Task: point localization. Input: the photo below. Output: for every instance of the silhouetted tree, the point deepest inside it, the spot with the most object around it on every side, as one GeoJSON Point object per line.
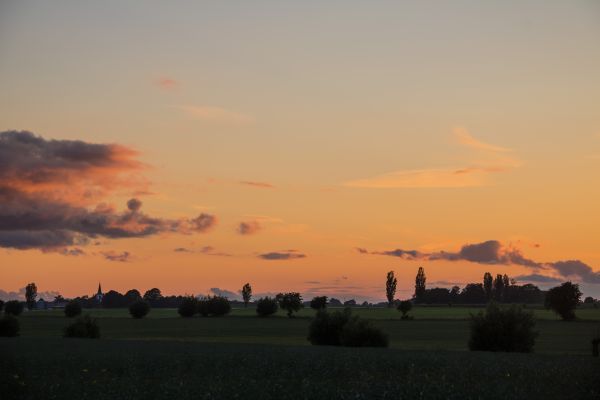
{"type": "Point", "coordinates": [1, 305]}
{"type": "Point", "coordinates": [404, 307]}
{"type": "Point", "coordinates": [13, 307]}
{"type": "Point", "coordinates": [502, 329]}
{"type": "Point", "coordinates": [266, 306]}
{"type": "Point", "coordinates": [139, 309]}
{"type": "Point", "coordinates": [246, 294]}
{"type": "Point", "coordinates": [333, 302]}
{"type": "Point", "coordinates": [390, 287]}
{"type": "Point", "coordinates": [505, 282]}
{"type": "Point", "coordinates": [291, 302]}
{"type": "Point", "coordinates": [153, 296]}
{"type": "Point", "coordinates": [350, 303]}
{"type": "Point", "coordinates": [188, 307]}
{"type": "Point", "coordinates": [218, 306]}
{"type": "Point", "coordinates": [563, 300]}
{"type": "Point", "coordinates": [498, 287]}
{"type": "Point", "coordinates": [30, 295]}
{"type": "Point", "coordinates": [587, 300]}
{"type": "Point", "coordinates": [454, 294]}
{"type": "Point", "coordinates": [420, 284]}
{"type": "Point", "coordinates": [318, 303]}
{"type": "Point", "coordinates": [488, 285]}
{"type": "Point", "coordinates": [72, 309]}
{"type": "Point", "coordinates": [132, 296]}
{"type": "Point", "coordinates": [340, 328]}
{"type": "Point", "coordinates": [114, 299]}
{"type": "Point", "coordinates": [473, 293]}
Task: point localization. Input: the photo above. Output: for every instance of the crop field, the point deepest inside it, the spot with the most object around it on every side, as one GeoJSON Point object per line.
{"type": "Point", "coordinates": [243, 356]}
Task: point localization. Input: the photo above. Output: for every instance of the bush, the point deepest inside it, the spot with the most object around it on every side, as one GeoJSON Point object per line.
{"type": "Point", "coordinates": [340, 328]}
{"type": "Point", "coordinates": [139, 309]}
{"type": "Point", "coordinates": [404, 307]}
{"type": "Point", "coordinates": [509, 329]}
{"type": "Point", "coordinates": [361, 333]}
{"type": "Point", "coordinates": [1, 305]}
{"type": "Point", "coordinates": [318, 303]}
{"type": "Point", "coordinates": [9, 326]}
{"type": "Point", "coordinates": [188, 307]}
{"type": "Point", "coordinates": [266, 306]}
{"type": "Point", "coordinates": [73, 309]}
{"type": "Point", "coordinates": [83, 327]}
{"type": "Point", "coordinates": [563, 300]}
{"type": "Point", "coordinates": [13, 307]}
{"type": "Point", "coordinates": [218, 306]}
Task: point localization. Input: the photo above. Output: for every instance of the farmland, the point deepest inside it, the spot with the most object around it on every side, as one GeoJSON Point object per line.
{"type": "Point", "coordinates": [241, 355]}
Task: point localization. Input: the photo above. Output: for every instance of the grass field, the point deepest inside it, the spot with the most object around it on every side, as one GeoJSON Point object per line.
{"type": "Point", "coordinates": [240, 355]}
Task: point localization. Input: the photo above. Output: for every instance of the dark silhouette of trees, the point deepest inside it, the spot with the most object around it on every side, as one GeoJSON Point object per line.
{"type": "Point", "coordinates": [30, 295]}
{"type": "Point", "coordinates": [454, 294]}
{"type": "Point", "coordinates": [246, 294]}
{"type": "Point", "coordinates": [218, 306]}
{"type": "Point", "coordinates": [83, 327]}
{"type": "Point", "coordinates": [340, 328]}
{"type": "Point", "coordinates": [488, 285]}
{"type": "Point", "coordinates": [498, 287]}
{"type": "Point", "coordinates": [404, 307]}
{"type": "Point", "coordinates": [473, 293]}
{"type": "Point", "coordinates": [318, 303]}
{"type": "Point", "coordinates": [350, 303]}
{"type": "Point", "coordinates": [420, 285]}
{"type": "Point", "coordinates": [114, 299]}
{"type": "Point", "coordinates": [188, 307]}
{"type": "Point", "coordinates": [266, 306]}
{"type": "Point", "coordinates": [563, 300]}
{"type": "Point", "coordinates": [291, 302]}
{"type": "Point", "coordinates": [390, 287]}
{"type": "Point", "coordinates": [72, 309]}
{"type": "Point", "coordinates": [1, 305]}
{"type": "Point", "coordinates": [13, 307]}
{"type": "Point", "coordinates": [139, 309]}
{"type": "Point", "coordinates": [333, 302]}
{"type": "Point", "coordinates": [502, 329]}
{"type": "Point", "coordinates": [153, 296]}
{"type": "Point", "coordinates": [587, 300]}
{"type": "Point", "coordinates": [132, 296]}
{"type": "Point", "coordinates": [9, 326]}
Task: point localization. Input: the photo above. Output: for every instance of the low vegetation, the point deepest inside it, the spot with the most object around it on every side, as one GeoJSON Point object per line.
{"type": "Point", "coordinates": [13, 307]}
{"type": "Point", "coordinates": [266, 306]}
{"type": "Point", "coordinates": [503, 329]}
{"type": "Point", "coordinates": [139, 309]}
{"type": "Point", "coordinates": [341, 328]}
{"type": "Point", "coordinates": [9, 326]}
{"type": "Point", "coordinates": [188, 307]}
{"type": "Point", "coordinates": [404, 307]}
{"type": "Point", "coordinates": [83, 327]}
{"type": "Point", "coordinates": [290, 302]}
{"type": "Point", "coordinates": [563, 300]}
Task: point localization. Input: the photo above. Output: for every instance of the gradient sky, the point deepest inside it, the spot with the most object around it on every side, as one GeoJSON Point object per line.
{"type": "Point", "coordinates": [324, 127]}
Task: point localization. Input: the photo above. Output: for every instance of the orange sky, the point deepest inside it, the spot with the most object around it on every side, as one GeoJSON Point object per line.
{"type": "Point", "coordinates": [268, 143]}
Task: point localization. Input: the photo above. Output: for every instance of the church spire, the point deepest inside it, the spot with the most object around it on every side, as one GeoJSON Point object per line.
{"type": "Point", "coordinates": [99, 288]}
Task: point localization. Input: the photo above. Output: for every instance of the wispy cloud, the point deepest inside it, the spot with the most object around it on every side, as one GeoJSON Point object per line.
{"type": "Point", "coordinates": [262, 185]}
{"type": "Point", "coordinates": [217, 115]}
{"type": "Point", "coordinates": [476, 174]}
{"type": "Point", "coordinates": [282, 255]}
{"type": "Point", "coordinates": [167, 83]}
{"type": "Point", "coordinates": [248, 227]}
{"type": "Point", "coordinates": [124, 256]}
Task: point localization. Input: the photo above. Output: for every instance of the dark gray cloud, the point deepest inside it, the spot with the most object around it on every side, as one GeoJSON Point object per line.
{"type": "Point", "coordinates": [282, 255]}
{"type": "Point", "coordinates": [123, 256]}
{"type": "Point", "coordinates": [248, 227]}
{"type": "Point", "coordinates": [493, 252]}
{"type": "Point", "coordinates": [48, 189]}
{"type": "Point", "coordinates": [537, 278]}
{"type": "Point", "coordinates": [206, 250]}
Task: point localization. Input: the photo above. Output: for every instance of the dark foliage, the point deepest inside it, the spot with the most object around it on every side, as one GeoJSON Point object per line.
{"type": "Point", "coordinates": [390, 287]}
{"type": "Point", "coordinates": [153, 297]}
{"type": "Point", "coordinates": [1, 305]}
{"type": "Point", "coordinates": [218, 306]}
{"type": "Point", "coordinates": [318, 303]}
{"type": "Point", "coordinates": [132, 296]}
{"type": "Point", "coordinates": [83, 327]}
{"type": "Point", "coordinates": [266, 306]}
{"type": "Point", "coordinates": [563, 300]}
{"type": "Point", "coordinates": [72, 309]}
{"type": "Point", "coordinates": [404, 307]}
{"type": "Point", "coordinates": [340, 328]}
{"type": "Point", "coordinates": [502, 329]}
{"type": "Point", "coordinates": [188, 307]}
{"type": "Point", "coordinates": [246, 294]}
{"type": "Point", "coordinates": [114, 299]}
{"type": "Point", "coordinates": [9, 326]}
{"type": "Point", "coordinates": [30, 295]}
{"type": "Point", "coordinates": [291, 302]}
{"type": "Point", "coordinates": [139, 309]}
{"type": "Point", "coordinates": [420, 281]}
{"type": "Point", "coordinates": [13, 307]}
{"type": "Point", "coordinates": [333, 302]}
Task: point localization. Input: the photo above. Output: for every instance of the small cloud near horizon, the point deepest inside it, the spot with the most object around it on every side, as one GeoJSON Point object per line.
{"type": "Point", "coordinates": [248, 227]}
{"type": "Point", "coordinates": [282, 255]}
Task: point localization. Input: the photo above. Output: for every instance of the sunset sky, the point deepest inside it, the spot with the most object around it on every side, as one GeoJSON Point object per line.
{"type": "Point", "coordinates": [298, 146]}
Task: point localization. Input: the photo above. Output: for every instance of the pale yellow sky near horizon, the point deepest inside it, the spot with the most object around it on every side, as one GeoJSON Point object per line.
{"type": "Point", "coordinates": [380, 125]}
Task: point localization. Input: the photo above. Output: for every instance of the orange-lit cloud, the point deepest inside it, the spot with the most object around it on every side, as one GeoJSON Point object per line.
{"type": "Point", "coordinates": [263, 185]}
{"type": "Point", "coordinates": [282, 255]}
{"type": "Point", "coordinates": [46, 187]}
{"type": "Point", "coordinates": [476, 174]}
{"type": "Point", "coordinates": [248, 227]}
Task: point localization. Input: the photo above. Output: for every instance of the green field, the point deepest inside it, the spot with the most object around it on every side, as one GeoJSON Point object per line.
{"type": "Point", "coordinates": [241, 355]}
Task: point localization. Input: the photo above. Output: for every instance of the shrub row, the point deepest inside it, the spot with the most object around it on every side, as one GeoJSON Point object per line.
{"type": "Point", "coordinates": [215, 306]}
